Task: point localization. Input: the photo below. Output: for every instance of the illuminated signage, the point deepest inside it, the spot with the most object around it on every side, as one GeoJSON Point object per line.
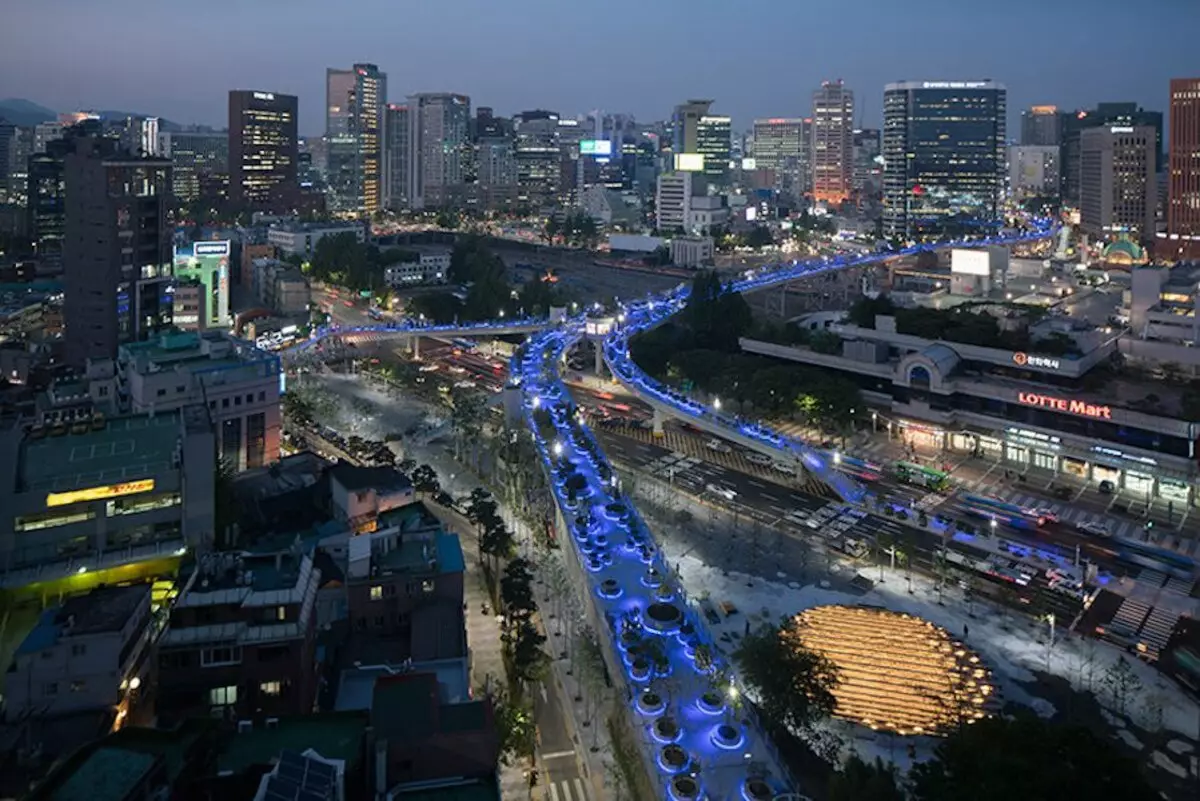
{"type": "Point", "coordinates": [595, 147]}
{"type": "Point", "coordinates": [749, 164]}
{"type": "Point", "coordinates": [1063, 405]}
{"type": "Point", "coordinates": [100, 493]}
{"type": "Point", "coordinates": [1121, 129]}
{"type": "Point", "coordinates": [954, 84]}
{"type": "Point", "coordinates": [1026, 360]}
{"type": "Point", "coordinates": [211, 248]}
{"type": "Point", "coordinates": [689, 162]}
{"type": "Point", "coordinates": [263, 96]}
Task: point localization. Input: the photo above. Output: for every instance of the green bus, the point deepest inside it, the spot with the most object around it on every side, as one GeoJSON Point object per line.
{"type": "Point", "coordinates": [926, 477]}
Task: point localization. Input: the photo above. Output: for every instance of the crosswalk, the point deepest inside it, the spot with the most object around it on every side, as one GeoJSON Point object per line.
{"type": "Point", "coordinates": [1067, 514]}
{"type": "Point", "coordinates": [566, 790]}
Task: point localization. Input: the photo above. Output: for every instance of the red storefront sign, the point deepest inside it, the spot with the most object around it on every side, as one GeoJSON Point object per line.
{"type": "Point", "coordinates": [1064, 405]}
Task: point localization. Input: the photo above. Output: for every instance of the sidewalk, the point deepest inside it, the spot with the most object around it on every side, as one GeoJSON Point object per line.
{"type": "Point", "coordinates": [483, 640]}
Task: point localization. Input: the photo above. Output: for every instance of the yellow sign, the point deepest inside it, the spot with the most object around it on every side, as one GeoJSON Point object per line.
{"type": "Point", "coordinates": [100, 493]}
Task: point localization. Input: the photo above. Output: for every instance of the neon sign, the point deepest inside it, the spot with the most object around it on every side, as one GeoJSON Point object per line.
{"type": "Point", "coordinates": [99, 493]}
{"type": "Point", "coordinates": [1025, 360]}
{"type": "Point", "coordinates": [1063, 405]}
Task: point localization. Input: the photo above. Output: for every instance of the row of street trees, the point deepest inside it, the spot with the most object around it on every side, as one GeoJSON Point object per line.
{"type": "Point", "coordinates": [995, 759]}
{"type": "Point", "coordinates": [576, 229]}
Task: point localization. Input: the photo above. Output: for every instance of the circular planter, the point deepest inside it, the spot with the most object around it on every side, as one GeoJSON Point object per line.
{"type": "Point", "coordinates": [711, 702]}
{"type": "Point", "coordinates": [629, 638]}
{"type": "Point", "coordinates": [606, 558]}
{"type": "Point", "coordinates": [640, 670]}
{"type": "Point", "coordinates": [609, 588]}
{"type": "Point", "coordinates": [651, 703]}
{"type": "Point", "coordinates": [646, 553]}
{"type": "Point", "coordinates": [672, 758]}
{"type": "Point", "coordinates": [594, 564]}
{"type": "Point", "coordinates": [601, 540]}
{"type": "Point", "coordinates": [663, 617]}
{"type": "Point", "coordinates": [686, 630]}
{"type": "Point", "coordinates": [685, 788]}
{"type": "Point", "coordinates": [728, 737]}
{"type": "Point", "coordinates": [666, 730]}
{"type": "Point", "coordinates": [616, 511]}
{"type": "Point", "coordinates": [664, 594]}
{"type": "Point", "coordinates": [652, 578]}
{"type": "Point", "coordinates": [758, 790]}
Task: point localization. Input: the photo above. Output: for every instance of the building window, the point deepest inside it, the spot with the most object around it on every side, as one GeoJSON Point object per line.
{"type": "Point", "coordinates": [262, 396]}
{"type": "Point", "coordinates": [78, 649]}
{"type": "Point", "coordinates": [162, 393]}
{"type": "Point", "coordinates": [50, 689]}
{"type": "Point", "coordinates": [223, 696]}
{"type": "Point", "coordinates": [427, 585]}
{"type": "Point", "coordinates": [377, 593]}
{"type": "Point", "coordinates": [271, 687]}
{"type": "Point", "coordinates": [249, 398]}
{"type": "Point", "coordinates": [281, 613]}
{"type": "Point", "coordinates": [224, 403]}
{"type": "Point", "coordinates": [214, 657]}
{"type": "Point", "coordinates": [78, 685]}
{"type": "Point", "coordinates": [237, 400]}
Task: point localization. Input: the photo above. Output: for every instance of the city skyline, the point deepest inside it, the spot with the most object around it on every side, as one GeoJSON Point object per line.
{"type": "Point", "coordinates": [1054, 62]}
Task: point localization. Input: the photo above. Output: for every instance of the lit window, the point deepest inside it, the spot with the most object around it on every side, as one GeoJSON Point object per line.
{"type": "Point", "coordinates": [281, 613]}
{"type": "Point", "coordinates": [377, 593]}
{"type": "Point", "coordinates": [223, 696]}
{"type": "Point", "coordinates": [271, 688]}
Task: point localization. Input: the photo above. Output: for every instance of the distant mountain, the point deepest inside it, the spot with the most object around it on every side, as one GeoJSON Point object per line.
{"type": "Point", "coordinates": [24, 112]}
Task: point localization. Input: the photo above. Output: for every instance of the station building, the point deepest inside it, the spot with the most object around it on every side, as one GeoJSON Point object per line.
{"type": "Point", "coordinates": [1075, 413]}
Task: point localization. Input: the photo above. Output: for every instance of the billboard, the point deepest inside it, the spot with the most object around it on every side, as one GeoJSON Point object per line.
{"type": "Point", "coordinates": [749, 164]}
{"type": "Point", "coordinates": [595, 147]}
{"type": "Point", "coordinates": [689, 162]}
{"type": "Point", "coordinates": [208, 263]}
{"type": "Point", "coordinates": [100, 493]}
{"type": "Point", "coordinates": [970, 262]}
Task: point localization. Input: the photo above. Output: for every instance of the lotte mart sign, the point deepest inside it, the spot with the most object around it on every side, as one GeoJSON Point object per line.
{"type": "Point", "coordinates": [1064, 405]}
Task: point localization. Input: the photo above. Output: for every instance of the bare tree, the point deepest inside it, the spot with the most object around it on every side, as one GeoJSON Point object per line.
{"type": "Point", "coordinates": [1121, 681]}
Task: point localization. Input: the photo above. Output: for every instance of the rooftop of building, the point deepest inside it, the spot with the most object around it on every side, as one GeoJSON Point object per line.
{"type": "Point", "coordinates": [125, 449]}
{"type": "Point", "coordinates": [381, 479]}
{"type": "Point", "coordinates": [100, 611]}
{"type": "Point", "coordinates": [190, 350]}
{"type": "Point", "coordinates": [406, 708]}
{"type": "Point", "coordinates": [110, 768]}
{"type": "Point", "coordinates": [439, 554]}
{"type": "Point", "coordinates": [333, 735]}
{"type": "Point", "coordinates": [356, 685]}
{"type": "Point", "coordinates": [459, 790]}
{"type": "Point", "coordinates": [270, 570]}
{"type": "Point", "coordinates": [297, 227]}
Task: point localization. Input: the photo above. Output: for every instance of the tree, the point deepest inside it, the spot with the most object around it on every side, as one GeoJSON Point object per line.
{"type": "Point", "coordinates": [551, 230]}
{"type": "Point", "coordinates": [794, 685]}
{"type": "Point", "coordinates": [497, 541]}
{"type": "Point", "coordinates": [1121, 681]}
{"type": "Point", "coordinates": [425, 480]}
{"type": "Point", "coordinates": [516, 589]}
{"type": "Point", "coordinates": [529, 661]}
{"type": "Point", "coordinates": [863, 781]}
{"type": "Point", "coordinates": [515, 728]}
{"type": "Point", "coordinates": [999, 759]}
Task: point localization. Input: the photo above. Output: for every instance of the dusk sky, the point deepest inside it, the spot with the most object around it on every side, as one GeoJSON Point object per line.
{"type": "Point", "coordinates": [756, 58]}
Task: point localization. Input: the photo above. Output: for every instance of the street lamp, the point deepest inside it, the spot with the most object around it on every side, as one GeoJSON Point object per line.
{"type": "Point", "coordinates": [558, 450]}
{"type": "Point", "coordinates": [837, 458]}
{"type": "Point", "coordinates": [717, 404]}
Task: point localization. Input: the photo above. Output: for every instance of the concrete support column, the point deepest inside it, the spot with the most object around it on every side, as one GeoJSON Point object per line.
{"type": "Point", "coordinates": [599, 360]}
{"type": "Point", "coordinates": [659, 419]}
{"type": "Point", "coordinates": [414, 346]}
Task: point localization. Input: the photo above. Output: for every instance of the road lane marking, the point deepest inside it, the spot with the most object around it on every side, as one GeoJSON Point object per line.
{"type": "Point", "coordinates": [553, 792]}
{"type": "Point", "coordinates": [579, 789]}
{"type": "Point", "coordinates": [558, 755]}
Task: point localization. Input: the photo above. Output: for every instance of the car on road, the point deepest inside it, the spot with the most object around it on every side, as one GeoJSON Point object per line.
{"type": "Point", "coordinates": [724, 492]}
{"type": "Point", "coordinates": [1042, 513]}
{"type": "Point", "coordinates": [754, 457]}
{"type": "Point", "coordinates": [717, 445]}
{"type": "Point", "coordinates": [1095, 528]}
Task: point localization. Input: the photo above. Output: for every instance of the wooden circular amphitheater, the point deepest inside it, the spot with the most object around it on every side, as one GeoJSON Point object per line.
{"type": "Point", "coordinates": [896, 672]}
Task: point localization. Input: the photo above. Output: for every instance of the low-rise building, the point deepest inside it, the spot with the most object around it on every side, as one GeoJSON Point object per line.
{"type": "Point", "coordinates": [359, 495]}
{"type": "Point", "coordinates": [692, 251]}
{"type": "Point", "coordinates": [430, 267]}
{"type": "Point", "coordinates": [239, 384]}
{"type": "Point", "coordinates": [109, 493]}
{"type": "Point", "coordinates": [299, 239]}
{"type": "Point", "coordinates": [87, 654]}
{"type": "Point", "coordinates": [1044, 395]}
{"type": "Point", "coordinates": [281, 287]}
{"type": "Point", "coordinates": [241, 639]}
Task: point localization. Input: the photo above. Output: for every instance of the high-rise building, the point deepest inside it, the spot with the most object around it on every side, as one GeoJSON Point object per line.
{"type": "Point", "coordinates": [782, 150]}
{"type": "Point", "coordinates": [944, 155]}
{"type": "Point", "coordinates": [8, 139]}
{"type": "Point", "coordinates": [439, 142]}
{"type": "Point", "coordinates": [1105, 114]}
{"type": "Point", "coordinates": [46, 132]}
{"type": "Point", "coordinates": [714, 143]}
{"type": "Point", "coordinates": [832, 142]}
{"type": "Point", "coordinates": [673, 202]}
{"type": "Point", "coordinates": [46, 192]}
{"type": "Point", "coordinates": [685, 126]}
{"type": "Point", "coordinates": [395, 157]}
{"type": "Point", "coordinates": [1041, 126]}
{"type": "Point", "coordinates": [497, 165]}
{"type": "Point", "coordinates": [263, 146]}
{"type": "Point", "coordinates": [536, 152]}
{"type": "Point", "coordinates": [1183, 172]}
{"type": "Point", "coordinates": [866, 179]}
{"type": "Point", "coordinates": [1117, 184]}
{"type": "Point", "coordinates": [194, 155]}
{"type": "Point", "coordinates": [355, 103]}
{"type": "Point", "coordinates": [117, 249]}
{"type": "Point", "coordinates": [1033, 171]}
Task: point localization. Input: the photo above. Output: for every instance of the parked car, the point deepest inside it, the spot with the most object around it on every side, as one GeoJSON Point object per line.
{"type": "Point", "coordinates": [1095, 529]}
{"type": "Point", "coordinates": [1107, 487]}
{"type": "Point", "coordinates": [717, 446]}
{"type": "Point", "coordinates": [724, 492]}
{"type": "Point", "coordinates": [783, 467]}
{"type": "Point", "coordinates": [754, 457]}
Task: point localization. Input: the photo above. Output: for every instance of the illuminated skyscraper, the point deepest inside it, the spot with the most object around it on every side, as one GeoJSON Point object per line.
{"type": "Point", "coordinates": [354, 125]}
{"type": "Point", "coordinates": [395, 157]}
{"type": "Point", "coordinates": [783, 150]}
{"type": "Point", "coordinates": [1183, 171]}
{"type": "Point", "coordinates": [439, 143]}
{"type": "Point", "coordinates": [1041, 126]}
{"type": "Point", "coordinates": [832, 142]}
{"type": "Point", "coordinates": [944, 155]}
{"type": "Point", "coordinates": [263, 150]}
{"type": "Point", "coordinates": [1118, 190]}
{"type": "Point", "coordinates": [714, 143]}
